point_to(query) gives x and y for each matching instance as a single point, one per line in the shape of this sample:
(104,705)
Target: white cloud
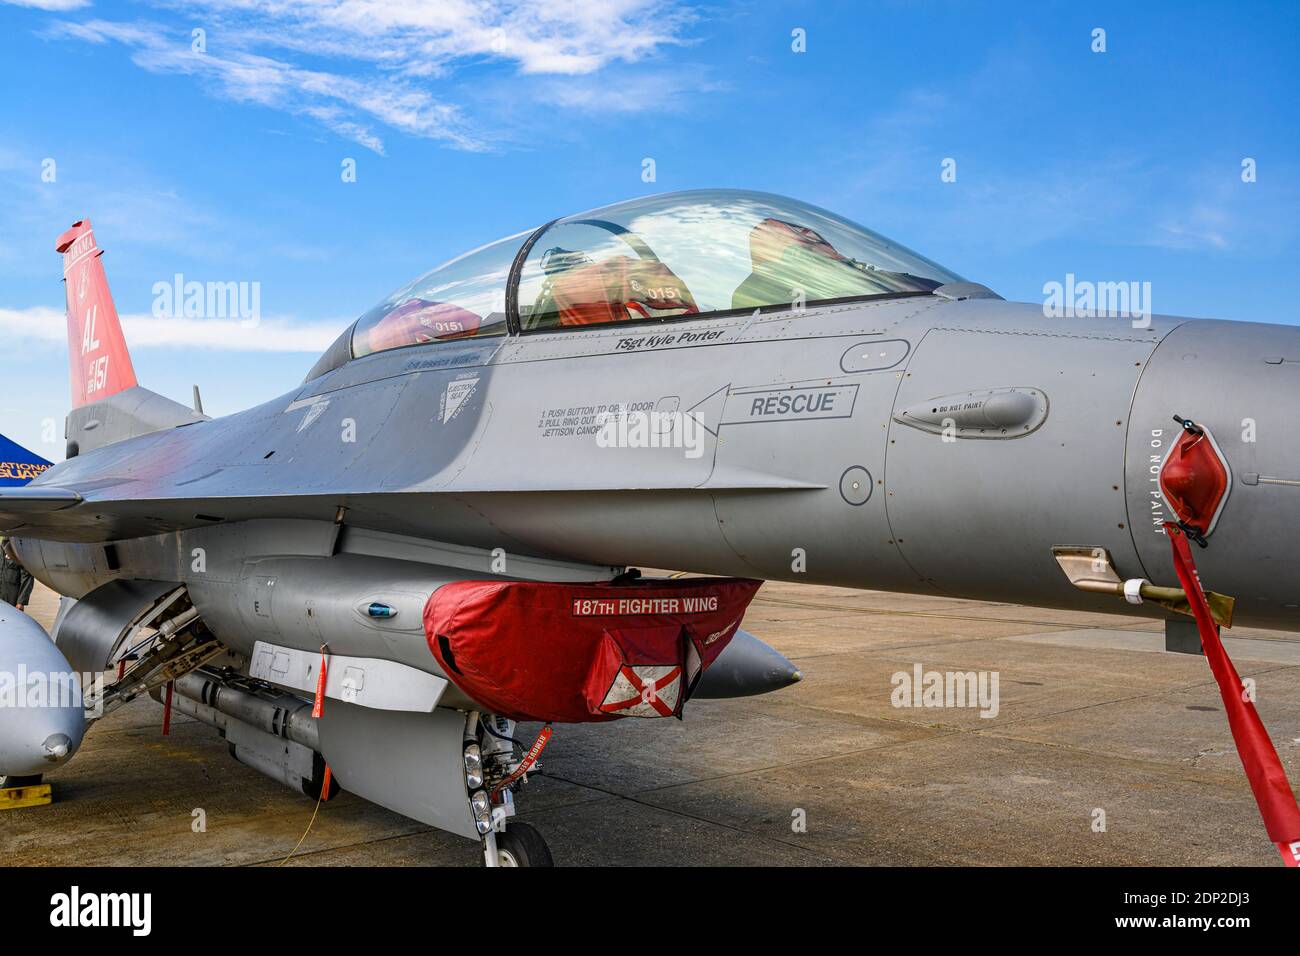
(342,103)
(665,91)
(37,324)
(52,6)
(43,325)
(539,36)
(383,54)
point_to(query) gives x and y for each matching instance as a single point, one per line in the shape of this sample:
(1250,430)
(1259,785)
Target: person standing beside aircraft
(15,580)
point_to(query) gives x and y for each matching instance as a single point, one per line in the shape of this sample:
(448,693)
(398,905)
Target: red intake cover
(1194,479)
(583,652)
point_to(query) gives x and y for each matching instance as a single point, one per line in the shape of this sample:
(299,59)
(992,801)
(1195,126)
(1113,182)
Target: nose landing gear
(496,766)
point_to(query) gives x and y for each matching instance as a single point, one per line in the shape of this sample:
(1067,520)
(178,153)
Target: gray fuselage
(802,470)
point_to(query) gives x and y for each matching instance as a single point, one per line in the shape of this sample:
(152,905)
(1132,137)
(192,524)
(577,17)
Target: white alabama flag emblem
(644,690)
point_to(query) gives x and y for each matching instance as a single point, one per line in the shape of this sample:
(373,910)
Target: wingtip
(34,499)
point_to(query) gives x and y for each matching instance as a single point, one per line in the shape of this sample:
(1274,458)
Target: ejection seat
(615,290)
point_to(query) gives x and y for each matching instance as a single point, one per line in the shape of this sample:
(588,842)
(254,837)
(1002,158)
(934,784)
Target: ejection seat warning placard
(586,421)
(785,404)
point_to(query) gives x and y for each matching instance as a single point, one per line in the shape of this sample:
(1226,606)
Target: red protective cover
(1194,480)
(574,653)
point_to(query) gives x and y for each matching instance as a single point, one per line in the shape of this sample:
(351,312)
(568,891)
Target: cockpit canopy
(669,257)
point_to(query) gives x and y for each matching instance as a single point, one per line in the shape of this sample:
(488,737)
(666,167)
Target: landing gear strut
(496,766)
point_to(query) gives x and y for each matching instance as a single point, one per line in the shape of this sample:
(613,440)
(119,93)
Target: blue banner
(18,465)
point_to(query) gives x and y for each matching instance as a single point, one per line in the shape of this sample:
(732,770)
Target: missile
(746,667)
(42,716)
(273,712)
(271,731)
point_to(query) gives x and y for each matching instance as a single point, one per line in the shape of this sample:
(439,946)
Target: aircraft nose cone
(36,740)
(57,746)
(21,755)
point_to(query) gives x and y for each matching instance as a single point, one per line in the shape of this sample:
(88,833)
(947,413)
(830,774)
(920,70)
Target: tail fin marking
(100,362)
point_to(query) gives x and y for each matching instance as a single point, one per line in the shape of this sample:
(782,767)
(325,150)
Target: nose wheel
(517,845)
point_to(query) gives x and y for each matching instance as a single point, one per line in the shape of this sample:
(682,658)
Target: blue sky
(471,120)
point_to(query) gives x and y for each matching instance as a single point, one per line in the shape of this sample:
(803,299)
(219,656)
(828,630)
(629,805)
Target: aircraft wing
(62,514)
(19,503)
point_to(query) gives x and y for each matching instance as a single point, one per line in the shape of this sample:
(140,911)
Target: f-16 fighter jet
(369,582)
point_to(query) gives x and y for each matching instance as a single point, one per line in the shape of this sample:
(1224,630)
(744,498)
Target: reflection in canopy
(664,257)
(705,252)
(418,321)
(464,298)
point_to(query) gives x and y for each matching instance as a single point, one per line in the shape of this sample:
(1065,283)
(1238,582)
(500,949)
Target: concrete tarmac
(1104,750)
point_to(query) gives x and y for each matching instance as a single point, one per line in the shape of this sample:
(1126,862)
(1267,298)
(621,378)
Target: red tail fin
(101,364)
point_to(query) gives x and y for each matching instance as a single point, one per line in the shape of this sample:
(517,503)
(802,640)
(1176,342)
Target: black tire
(14,781)
(522,845)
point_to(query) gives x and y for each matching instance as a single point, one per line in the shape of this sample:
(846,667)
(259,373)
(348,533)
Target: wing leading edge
(40,499)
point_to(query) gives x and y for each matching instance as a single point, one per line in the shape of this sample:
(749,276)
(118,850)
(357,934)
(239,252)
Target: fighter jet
(372,580)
